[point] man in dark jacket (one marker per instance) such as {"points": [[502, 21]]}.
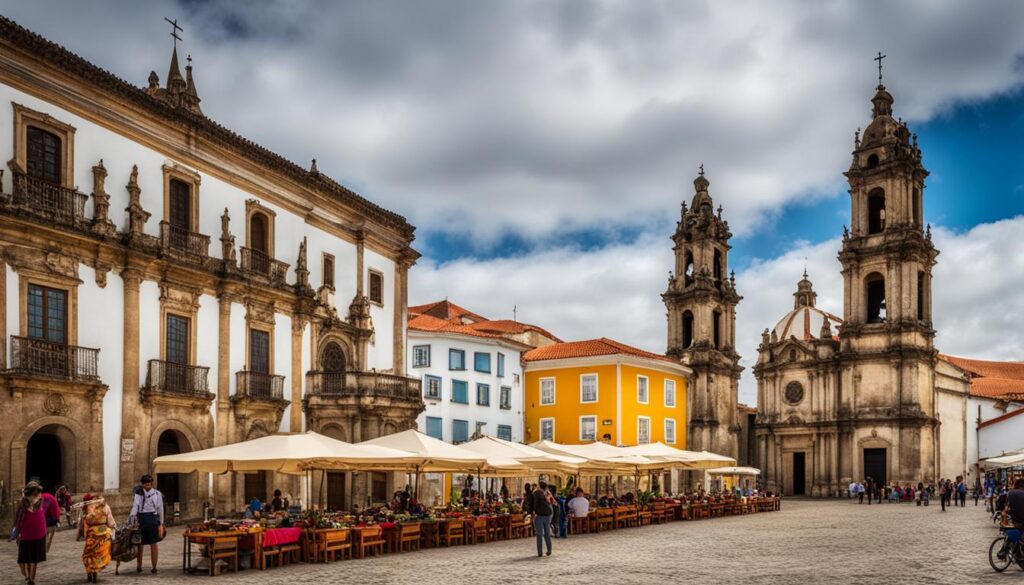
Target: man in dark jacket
{"points": [[542, 511]]}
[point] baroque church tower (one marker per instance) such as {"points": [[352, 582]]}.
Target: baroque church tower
{"points": [[701, 302]]}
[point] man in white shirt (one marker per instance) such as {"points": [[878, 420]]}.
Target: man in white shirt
{"points": [[580, 505]]}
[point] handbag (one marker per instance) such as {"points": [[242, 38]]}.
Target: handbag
{"points": [[161, 533]]}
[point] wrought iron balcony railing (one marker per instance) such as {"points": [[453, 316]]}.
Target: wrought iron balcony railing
{"points": [[183, 242], [35, 357], [49, 200], [171, 378], [259, 385], [362, 384], [259, 263]]}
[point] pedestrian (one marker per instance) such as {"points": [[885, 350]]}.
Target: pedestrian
{"points": [[943, 494], [30, 531], [95, 527], [527, 499], [65, 501], [148, 510], [277, 504], [543, 508], [869, 486], [51, 507], [977, 490], [962, 492], [860, 493], [556, 515]]}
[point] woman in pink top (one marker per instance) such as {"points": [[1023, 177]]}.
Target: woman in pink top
{"points": [[31, 524]]}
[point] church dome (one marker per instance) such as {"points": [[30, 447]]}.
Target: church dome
{"points": [[805, 321]]}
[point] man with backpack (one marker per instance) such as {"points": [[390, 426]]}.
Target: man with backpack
{"points": [[543, 508]]}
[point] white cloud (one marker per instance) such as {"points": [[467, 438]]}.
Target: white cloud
{"points": [[535, 117], [615, 291]]}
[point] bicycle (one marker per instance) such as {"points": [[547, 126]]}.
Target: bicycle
{"points": [[1006, 550]]}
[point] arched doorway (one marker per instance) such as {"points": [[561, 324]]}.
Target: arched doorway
{"points": [[332, 364], [50, 457], [172, 485]]}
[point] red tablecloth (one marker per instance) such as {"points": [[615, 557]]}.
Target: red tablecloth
{"points": [[279, 536]]}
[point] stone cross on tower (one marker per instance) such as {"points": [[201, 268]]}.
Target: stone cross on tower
{"points": [[879, 59], [174, 30]]}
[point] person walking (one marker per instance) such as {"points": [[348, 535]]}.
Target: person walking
{"points": [[543, 507], [30, 531], [95, 527], [943, 494], [962, 492], [860, 493], [869, 486], [148, 510], [51, 508], [527, 499]]}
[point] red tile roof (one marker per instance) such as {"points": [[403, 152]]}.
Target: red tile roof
{"points": [[445, 310], [990, 379], [589, 348], [431, 323], [513, 327]]}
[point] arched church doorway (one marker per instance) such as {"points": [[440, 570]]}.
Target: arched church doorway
{"points": [[172, 485], [50, 458], [332, 364]]}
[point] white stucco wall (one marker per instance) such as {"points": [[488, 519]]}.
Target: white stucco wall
{"points": [[12, 305], [995, 439], [447, 410]]}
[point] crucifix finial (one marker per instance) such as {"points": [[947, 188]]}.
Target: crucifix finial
{"points": [[879, 59], [174, 30], [702, 169], [515, 313]]}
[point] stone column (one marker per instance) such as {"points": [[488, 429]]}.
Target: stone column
{"points": [[3, 314], [223, 491], [132, 455], [401, 301], [298, 328]]}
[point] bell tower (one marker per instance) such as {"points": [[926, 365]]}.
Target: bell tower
{"points": [[701, 303], [887, 258]]}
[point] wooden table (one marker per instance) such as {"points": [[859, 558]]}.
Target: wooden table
{"points": [[205, 539]]}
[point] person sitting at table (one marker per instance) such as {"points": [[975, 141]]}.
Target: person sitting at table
{"points": [[604, 502], [579, 506], [278, 504], [504, 491], [396, 502], [254, 508]]}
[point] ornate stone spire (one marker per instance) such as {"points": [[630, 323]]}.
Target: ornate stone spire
{"points": [[190, 100], [137, 216], [101, 223], [804, 295], [227, 242]]}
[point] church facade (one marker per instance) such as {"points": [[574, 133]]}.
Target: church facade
{"points": [[841, 399], [128, 334]]}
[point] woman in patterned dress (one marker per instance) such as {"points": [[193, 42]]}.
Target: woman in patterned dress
{"points": [[96, 526]]}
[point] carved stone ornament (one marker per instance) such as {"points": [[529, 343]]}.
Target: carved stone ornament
{"points": [[55, 404], [227, 241], [180, 298], [260, 312], [794, 392], [51, 263], [137, 216]]}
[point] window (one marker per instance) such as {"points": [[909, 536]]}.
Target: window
{"points": [[670, 431], [643, 430], [47, 314], [506, 397], [435, 427], [687, 329], [501, 365], [547, 391], [460, 431], [716, 324], [588, 428], [505, 432], [180, 205], [588, 388], [874, 289], [460, 391], [876, 211], [482, 362], [177, 339], [456, 359], [432, 387], [479, 429], [920, 296], [718, 268], [421, 356], [259, 351], [376, 287], [643, 394], [329, 271], [547, 429], [670, 393], [43, 155], [483, 394]]}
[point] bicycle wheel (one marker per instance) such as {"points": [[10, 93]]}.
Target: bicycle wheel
{"points": [[998, 564]]}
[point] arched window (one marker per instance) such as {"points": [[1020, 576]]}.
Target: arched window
{"points": [[872, 161], [916, 203], [688, 268], [332, 365], [43, 155], [716, 324], [874, 292], [180, 205], [718, 268], [687, 329], [258, 233], [920, 296], [876, 211]]}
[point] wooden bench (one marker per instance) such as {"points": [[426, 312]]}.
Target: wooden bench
{"points": [[518, 526], [409, 537], [602, 519], [454, 532], [222, 549], [335, 542]]}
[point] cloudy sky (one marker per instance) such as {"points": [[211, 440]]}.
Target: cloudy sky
{"points": [[542, 149]]}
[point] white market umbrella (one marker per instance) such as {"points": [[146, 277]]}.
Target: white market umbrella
{"points": [[734, 471], [429, 455], [1005, 460], [534, 460]]}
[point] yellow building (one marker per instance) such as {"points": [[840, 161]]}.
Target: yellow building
{"points": [[603, 390]]}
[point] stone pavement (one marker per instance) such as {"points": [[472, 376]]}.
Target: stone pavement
{"points": [[808, 542]]}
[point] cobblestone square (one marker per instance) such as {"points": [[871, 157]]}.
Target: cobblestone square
{"points": [[809, 541]]}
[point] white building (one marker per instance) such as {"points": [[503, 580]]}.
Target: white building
{"points": [[470, 370], [128, 336]]}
